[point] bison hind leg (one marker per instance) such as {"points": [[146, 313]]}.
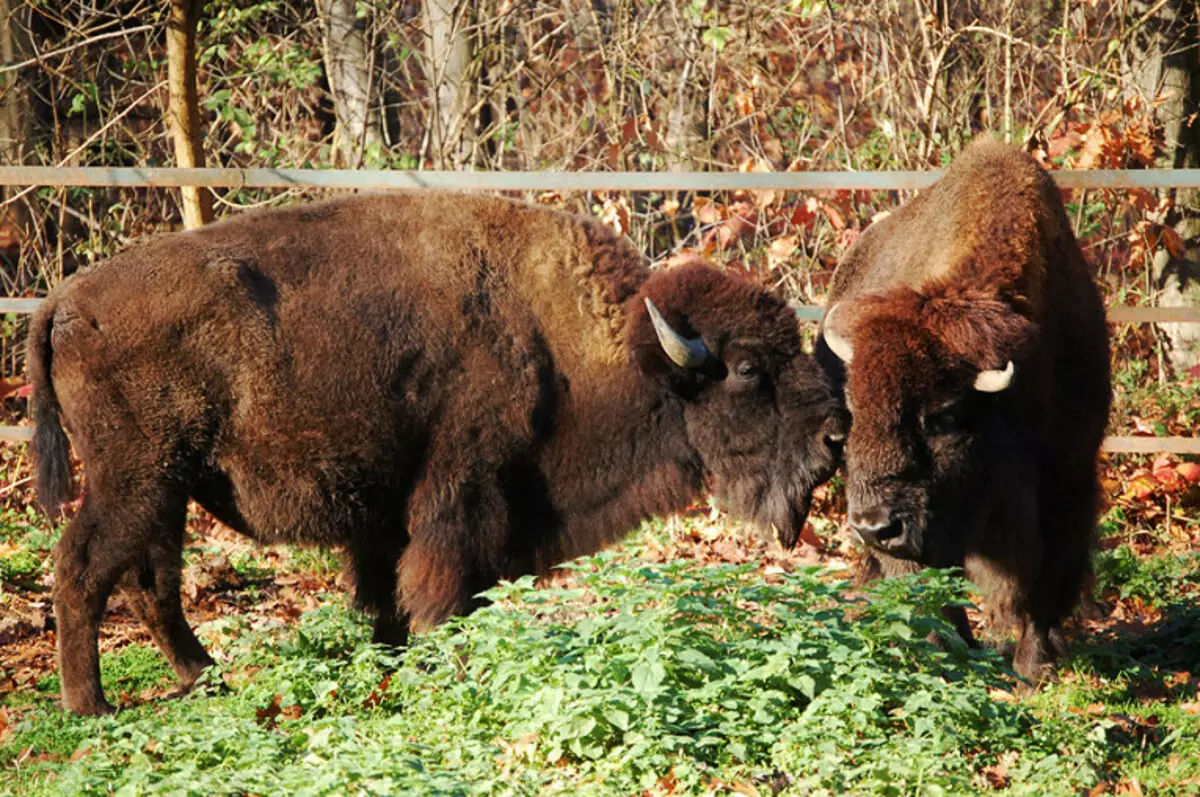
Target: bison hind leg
{"points": [[152, 588], [132, 540]]}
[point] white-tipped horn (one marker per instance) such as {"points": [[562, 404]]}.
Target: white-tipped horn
{"points": [[836, 342], [684, 352], [995, 381]]}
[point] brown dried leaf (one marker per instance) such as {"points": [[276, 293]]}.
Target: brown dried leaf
{"points": [[997, 776], [269, 716], [781, 249]]}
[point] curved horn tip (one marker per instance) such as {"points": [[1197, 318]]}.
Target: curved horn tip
{"points": [[836, 342], [995, 381], [684, 352]]}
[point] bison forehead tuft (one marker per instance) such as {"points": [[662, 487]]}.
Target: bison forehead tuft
{"points": [[936, 337], [697, 299]]}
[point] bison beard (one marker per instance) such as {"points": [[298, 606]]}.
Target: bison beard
{"points": [[974, 351], [454, 389]]}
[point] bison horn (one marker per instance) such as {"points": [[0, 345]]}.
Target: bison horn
{"points": [[684, 352], [995, 381], [838, 344]]}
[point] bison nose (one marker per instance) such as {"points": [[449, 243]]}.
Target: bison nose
{"points": [[878, 529], [833, 435], [835, 442]]}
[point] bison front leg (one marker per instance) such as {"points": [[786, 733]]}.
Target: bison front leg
{"points": [[1036, 652], [457, 537], [1051, 589], [376, 564]]}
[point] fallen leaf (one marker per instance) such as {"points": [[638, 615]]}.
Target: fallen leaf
{"points": [[11, 386], [1130, 786], [781, 249], [267, 716], [1169, 478], [808, 535], [1002, 696], [376, 696], [1189, 471], [997, 776]]}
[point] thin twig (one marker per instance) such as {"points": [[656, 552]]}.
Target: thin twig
{"points": [[39, 59]]}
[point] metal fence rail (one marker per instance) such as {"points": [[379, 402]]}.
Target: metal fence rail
{"points": [[366, 179], [813, 312], [154, 177]]}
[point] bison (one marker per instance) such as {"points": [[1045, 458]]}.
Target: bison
{"points": [[454, 389], [976, 368]]}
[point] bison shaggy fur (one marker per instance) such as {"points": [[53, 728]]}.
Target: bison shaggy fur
{"points": [[454, 389], [977, 377]]}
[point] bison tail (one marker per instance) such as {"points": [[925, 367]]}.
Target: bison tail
{"points": [[51, 449]]}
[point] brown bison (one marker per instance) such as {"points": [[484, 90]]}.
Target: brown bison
{"points": [[455, 389], [977, 378]]}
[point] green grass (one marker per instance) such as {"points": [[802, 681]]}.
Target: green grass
{"points": [[641, 677], [25, 544]]}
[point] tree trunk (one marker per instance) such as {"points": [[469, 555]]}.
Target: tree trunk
{"points": [[686, 115], [183, 109], [15, 127], [1163, 64], [349, 68], [448, 59]]}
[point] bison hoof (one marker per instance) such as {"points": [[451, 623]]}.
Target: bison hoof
{"points": [[212, 687], [1035, 676], [89, 708]]}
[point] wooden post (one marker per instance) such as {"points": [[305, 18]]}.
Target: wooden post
{"points": [[183, 107], [15, 128]]}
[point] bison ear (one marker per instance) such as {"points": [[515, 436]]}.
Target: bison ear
{"points": [[837, 343], [995, 381]]}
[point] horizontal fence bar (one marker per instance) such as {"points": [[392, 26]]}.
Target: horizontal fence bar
{"points": [[1154, 315], [1113, 445], [164, 177], [9, 305], [814, 312], [1152, 445]]}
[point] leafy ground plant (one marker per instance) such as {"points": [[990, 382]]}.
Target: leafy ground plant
{"points": [[668, 678]]}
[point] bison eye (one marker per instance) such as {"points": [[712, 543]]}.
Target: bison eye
{"points": [[746, 370]]}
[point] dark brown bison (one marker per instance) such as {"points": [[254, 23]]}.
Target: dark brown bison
{"points": [[977, 378], [456, 389]]}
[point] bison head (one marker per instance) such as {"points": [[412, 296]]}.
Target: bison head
{"points": [[933, 382], [759, 413]]}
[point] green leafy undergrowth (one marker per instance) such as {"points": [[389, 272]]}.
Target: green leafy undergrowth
{"points": [[25, 545], [674, 678]]}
